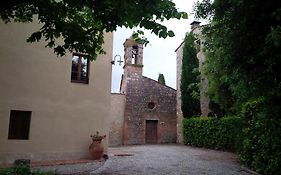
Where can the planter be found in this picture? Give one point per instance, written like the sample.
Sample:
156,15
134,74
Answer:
96,149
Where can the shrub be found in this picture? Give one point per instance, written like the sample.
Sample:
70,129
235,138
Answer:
261,149
23,170
223,133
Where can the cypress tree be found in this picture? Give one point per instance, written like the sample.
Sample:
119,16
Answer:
190,79
161,79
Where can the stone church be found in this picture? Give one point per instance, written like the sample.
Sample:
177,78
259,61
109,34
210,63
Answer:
144,112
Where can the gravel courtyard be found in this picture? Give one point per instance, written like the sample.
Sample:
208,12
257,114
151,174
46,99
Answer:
169,159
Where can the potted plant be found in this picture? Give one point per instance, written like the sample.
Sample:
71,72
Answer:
96,148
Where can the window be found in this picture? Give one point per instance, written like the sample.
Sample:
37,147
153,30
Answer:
134,54
80,69
19,125
151,105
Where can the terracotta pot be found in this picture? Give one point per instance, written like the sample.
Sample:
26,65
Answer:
96,149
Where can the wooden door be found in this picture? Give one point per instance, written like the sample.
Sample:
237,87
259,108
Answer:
151,131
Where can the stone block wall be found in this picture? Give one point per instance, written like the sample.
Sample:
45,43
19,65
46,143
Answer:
179,52
204,99
140,92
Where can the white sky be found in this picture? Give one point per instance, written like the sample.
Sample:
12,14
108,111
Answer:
159,56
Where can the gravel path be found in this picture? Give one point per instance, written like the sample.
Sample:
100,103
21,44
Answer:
169,160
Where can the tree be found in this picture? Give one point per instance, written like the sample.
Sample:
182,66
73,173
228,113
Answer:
190,79
82,23
161,79
243,45
243,50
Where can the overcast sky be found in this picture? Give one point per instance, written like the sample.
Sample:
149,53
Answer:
159,56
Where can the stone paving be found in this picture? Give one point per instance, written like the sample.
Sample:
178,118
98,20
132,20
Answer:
169,159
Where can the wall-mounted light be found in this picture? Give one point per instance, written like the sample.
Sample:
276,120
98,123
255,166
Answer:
119,61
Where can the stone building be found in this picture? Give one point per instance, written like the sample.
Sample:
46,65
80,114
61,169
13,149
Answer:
179,53
204,99
149,108
196,29
49,106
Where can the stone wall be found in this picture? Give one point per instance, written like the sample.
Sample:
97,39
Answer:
204,99
116,119
179,52
141,91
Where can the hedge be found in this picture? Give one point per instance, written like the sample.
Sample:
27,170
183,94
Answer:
216,133
23,170
255,136
261,149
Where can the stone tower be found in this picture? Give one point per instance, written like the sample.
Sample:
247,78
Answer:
196,29
133,57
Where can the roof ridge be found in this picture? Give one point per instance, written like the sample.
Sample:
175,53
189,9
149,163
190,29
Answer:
160,83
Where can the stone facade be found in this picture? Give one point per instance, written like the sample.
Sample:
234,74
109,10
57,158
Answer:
140,92
204,99
179,52
150,107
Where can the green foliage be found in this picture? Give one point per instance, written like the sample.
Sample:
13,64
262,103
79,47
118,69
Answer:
81,24
243,45
243,51
139,37
261,146
223,133
190,79
23,170
161,79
